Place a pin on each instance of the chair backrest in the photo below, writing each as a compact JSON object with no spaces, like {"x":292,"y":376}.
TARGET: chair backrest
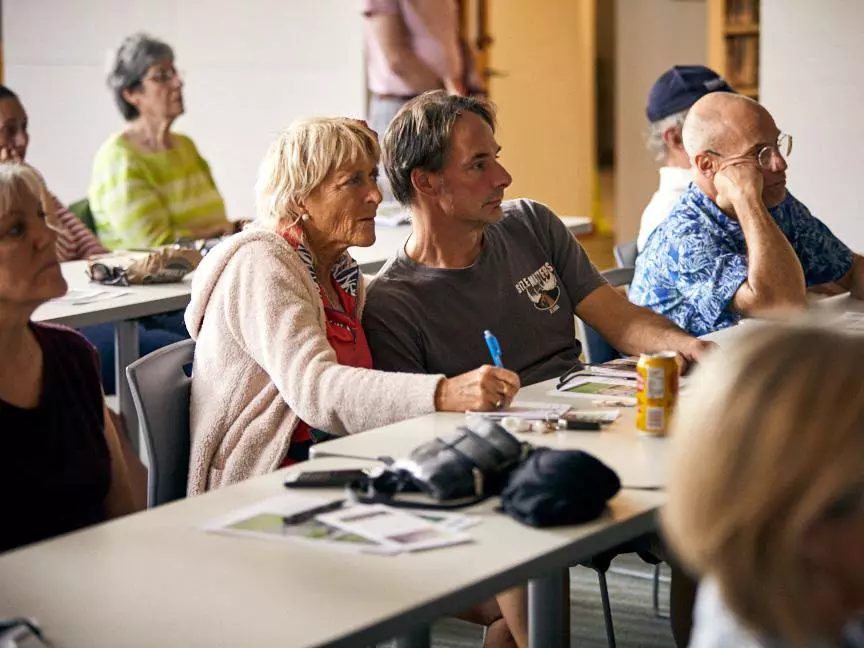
{"x":81,"y":209}
{"x":619,"y":277}
{"x":160,"y":389}
{"x":597,"y":350}
{"x":625,"y":254}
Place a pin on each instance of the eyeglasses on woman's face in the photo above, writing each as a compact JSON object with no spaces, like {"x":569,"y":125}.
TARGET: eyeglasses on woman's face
{"x":163,"y":76}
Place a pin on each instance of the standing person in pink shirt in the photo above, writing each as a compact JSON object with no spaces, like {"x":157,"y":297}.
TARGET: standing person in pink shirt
{"x":412,"y":46}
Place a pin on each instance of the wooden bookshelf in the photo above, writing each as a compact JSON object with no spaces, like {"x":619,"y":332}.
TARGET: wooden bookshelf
{"x":733,"y":43}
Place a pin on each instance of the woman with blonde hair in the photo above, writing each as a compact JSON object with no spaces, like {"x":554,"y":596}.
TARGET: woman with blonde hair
{"x":766,"y":489}
{"x":281,"y":360}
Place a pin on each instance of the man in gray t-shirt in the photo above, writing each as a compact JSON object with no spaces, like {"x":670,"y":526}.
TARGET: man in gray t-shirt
{"x":524,"y":287}
{"x":475,"y":263}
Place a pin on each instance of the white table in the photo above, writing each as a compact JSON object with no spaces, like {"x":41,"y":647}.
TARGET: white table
{"x":389,"y":240}
{"x":640,"y":462}
{"x":828,"y":307}
{"x":122,"y":311}
{"x":155,"y":579}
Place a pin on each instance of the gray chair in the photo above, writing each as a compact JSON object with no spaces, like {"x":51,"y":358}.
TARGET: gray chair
{"x":596,"y":349}
{"x":160,"y":389}
{"x":625,"y":254}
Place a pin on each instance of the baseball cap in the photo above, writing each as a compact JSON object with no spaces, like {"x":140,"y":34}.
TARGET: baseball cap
{"x":680,"y":87}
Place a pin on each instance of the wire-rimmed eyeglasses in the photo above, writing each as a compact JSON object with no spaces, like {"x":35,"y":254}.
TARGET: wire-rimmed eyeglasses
{"x":764,"y":157}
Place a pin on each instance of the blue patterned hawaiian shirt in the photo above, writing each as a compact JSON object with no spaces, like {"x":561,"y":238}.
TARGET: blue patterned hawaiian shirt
{"x":695,"y":261}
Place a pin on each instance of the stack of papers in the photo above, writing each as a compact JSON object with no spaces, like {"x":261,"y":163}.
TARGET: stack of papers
{"x":397,"y":530}
{"x":618,"y":368}
{"x":621,"y":391}
{"x":361,"y":528}
{"x":528,"y":411}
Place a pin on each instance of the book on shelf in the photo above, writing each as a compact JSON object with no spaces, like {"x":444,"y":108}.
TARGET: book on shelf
{"x":742,"y":61}
{"x":742,"y":12}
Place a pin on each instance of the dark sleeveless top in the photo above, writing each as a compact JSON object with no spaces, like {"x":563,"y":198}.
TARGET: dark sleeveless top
{"x":55,"y":468}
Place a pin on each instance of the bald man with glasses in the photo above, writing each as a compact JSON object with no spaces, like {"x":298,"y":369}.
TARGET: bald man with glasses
{"x":738,"y":244}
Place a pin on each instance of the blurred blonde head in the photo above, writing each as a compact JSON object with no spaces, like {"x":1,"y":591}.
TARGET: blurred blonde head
{"x":768,"y":445}
{"x":299,"y":160}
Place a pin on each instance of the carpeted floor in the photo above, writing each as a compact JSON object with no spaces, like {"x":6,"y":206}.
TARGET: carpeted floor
{"x":630,"y":592}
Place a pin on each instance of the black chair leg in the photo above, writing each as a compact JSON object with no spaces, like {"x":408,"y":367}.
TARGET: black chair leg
{"x":655,"y":594}
{"x":607,"y":609}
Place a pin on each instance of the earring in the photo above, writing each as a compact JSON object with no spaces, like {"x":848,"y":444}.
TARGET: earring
{"x":304,"y":217}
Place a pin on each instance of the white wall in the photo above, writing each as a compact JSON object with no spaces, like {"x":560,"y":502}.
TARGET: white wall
{"x":251,"y":66}
{"x":652,"y":36}
{"x":811,"y":81}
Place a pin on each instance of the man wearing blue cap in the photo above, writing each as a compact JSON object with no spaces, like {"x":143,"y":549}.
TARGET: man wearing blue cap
{"x":668,"y":102}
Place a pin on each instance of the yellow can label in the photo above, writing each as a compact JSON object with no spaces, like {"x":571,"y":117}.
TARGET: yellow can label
{"x":656,"y":392}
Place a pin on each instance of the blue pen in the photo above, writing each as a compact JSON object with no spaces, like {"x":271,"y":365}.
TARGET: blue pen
{"x":494,"y":348}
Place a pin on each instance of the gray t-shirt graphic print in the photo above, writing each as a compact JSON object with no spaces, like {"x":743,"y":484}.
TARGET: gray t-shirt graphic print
{"x":524,"y":287}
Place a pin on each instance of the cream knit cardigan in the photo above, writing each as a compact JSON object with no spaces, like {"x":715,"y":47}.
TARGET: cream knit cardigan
{"x":262,"y":360}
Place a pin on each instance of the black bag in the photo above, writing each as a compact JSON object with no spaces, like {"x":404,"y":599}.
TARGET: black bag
{"x":559,"y":487}
{"x":458,"y":470}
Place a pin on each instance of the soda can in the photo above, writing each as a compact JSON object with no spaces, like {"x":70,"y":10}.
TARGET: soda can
{"x":656,"y":392}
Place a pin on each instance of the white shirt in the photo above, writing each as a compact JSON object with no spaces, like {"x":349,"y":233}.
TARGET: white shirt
{"x":673,"y":182}
{"x":714,"y":626}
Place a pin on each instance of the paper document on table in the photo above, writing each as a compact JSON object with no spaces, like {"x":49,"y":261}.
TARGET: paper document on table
{"x":78,"y":297}
{"x":393,"y":528}
{"x":292,"y":517}
{"x":449,"y":521}
{"x":617,"y":368}
{"x":273,"y":518}
{"x":528,"y":410}
{"x":620,"y":390}
{"x":595,"y":415}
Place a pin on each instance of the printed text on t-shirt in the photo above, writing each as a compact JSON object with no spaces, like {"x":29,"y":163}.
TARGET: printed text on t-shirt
{"x":542,"y":288}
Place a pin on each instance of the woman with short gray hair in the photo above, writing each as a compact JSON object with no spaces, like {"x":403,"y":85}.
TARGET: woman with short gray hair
{"x":151,"y":186}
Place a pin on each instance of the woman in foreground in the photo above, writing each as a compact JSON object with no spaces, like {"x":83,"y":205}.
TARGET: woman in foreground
{"x":766,"y":490}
